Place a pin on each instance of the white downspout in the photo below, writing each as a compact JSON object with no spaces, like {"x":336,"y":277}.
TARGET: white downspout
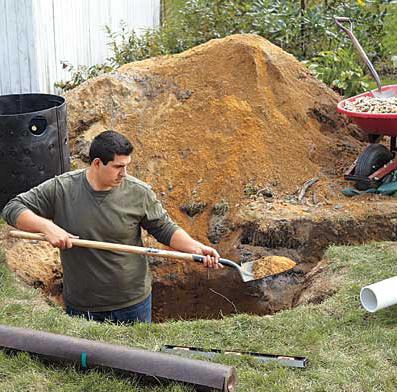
{"x":379,"y":295}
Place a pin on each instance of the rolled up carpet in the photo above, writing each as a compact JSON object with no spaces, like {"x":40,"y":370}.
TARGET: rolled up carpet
{"x":205,"y":376}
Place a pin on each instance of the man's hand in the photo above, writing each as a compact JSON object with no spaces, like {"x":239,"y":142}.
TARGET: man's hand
{"x":211,"y":256}
{"x":55,"y":235}
{"x":182,"y":242}
{"x":58,"y":237}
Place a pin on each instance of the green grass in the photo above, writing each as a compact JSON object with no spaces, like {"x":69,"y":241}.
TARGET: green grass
{"x":349,"y":349}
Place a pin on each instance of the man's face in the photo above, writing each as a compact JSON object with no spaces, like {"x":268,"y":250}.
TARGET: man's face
{"x":113,"y":173}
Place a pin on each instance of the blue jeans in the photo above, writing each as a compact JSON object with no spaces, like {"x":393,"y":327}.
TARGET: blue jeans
{"x":141,"y":312}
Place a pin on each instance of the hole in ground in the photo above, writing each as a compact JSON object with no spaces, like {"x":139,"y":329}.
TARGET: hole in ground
{"x":184,"y":290}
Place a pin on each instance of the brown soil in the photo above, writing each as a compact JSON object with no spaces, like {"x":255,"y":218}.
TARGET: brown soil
{"x":227,"y":133}
{"x":188,"y":290}
{"x":271,"y":265}
{"x":35,"y":262}
{"x":217,"y":123}
{"x":319,"y":285}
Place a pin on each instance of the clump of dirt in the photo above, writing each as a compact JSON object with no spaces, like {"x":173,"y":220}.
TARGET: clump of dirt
{"x":318,"y":286}
{"x":215,"y":123}
{"x":38,"y":264}
{"x":271,"y":265}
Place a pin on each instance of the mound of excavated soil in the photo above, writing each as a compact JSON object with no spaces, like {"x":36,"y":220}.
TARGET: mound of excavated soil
{"x":215,"y":124}
{"x":213,"y":127}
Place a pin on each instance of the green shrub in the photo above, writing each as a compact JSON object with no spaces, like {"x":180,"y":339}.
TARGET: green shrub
{"x":305,"y":29}
{"x":340,"y":70}
{"x":81,"y":73}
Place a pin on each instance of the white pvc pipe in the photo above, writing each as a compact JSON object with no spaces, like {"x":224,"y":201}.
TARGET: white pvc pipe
{"x":379,"y":295}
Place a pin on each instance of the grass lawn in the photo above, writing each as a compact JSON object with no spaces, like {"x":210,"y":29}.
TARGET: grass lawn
{"x":348,"y":349}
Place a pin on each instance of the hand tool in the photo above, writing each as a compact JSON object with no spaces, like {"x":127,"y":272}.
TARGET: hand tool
{"x":245,"y":270}
{"x":339,"y":20}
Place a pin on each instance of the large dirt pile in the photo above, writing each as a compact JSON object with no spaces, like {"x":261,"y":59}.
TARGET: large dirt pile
{"x":216,"y":123}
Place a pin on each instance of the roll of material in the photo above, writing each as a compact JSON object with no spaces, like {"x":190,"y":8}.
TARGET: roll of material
{"x":205,"y":376}
{"x":379,"y":295}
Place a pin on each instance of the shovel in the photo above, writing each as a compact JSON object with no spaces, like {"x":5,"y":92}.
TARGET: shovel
{"x":245,"y":270}
{"x":339,"y":20}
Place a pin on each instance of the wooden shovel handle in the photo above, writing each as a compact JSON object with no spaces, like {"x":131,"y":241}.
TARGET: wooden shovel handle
{"x":124,"y":248}
{"x":113,"y":247}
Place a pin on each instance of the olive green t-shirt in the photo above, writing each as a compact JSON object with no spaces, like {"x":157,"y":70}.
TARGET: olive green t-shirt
{"x":98,"y":280}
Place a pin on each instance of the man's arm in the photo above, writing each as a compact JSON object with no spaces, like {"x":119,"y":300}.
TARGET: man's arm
{"x":158,"y":223}
{"x":55,"y":235}
{"x":33,"y":210}
{"x":182,"y":242}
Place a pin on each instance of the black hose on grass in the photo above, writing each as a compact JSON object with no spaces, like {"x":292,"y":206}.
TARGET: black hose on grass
{"x":204,"y":376}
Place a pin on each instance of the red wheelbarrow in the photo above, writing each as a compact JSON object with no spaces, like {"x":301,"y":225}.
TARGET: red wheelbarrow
{"x":376,"y":161}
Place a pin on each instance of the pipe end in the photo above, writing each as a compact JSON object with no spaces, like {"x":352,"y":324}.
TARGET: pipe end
{"x":368,"y":300}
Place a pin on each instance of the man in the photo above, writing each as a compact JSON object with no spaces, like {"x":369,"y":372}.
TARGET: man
{"x":102,"y":203}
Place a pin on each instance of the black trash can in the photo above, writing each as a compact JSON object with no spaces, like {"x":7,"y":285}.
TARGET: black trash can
{"x":33,"y":142}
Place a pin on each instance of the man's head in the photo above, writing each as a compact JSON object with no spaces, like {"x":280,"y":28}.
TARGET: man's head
{"x":109,"y":156}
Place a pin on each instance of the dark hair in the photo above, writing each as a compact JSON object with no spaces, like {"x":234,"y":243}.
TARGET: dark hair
{"x":108,"y":144}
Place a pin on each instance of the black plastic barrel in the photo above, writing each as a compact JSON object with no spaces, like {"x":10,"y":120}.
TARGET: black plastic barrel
{"x":33,"y":142}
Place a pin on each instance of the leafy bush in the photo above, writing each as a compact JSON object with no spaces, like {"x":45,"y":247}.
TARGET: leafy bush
{"x":340,"y":70}
{"x":305,"y":29}
{"x":390,"y":41}
{"x":81,"y":73}
{"x":301,"y":30}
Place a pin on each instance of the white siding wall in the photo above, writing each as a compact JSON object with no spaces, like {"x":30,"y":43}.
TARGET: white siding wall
{"x":18,"y":70}
{"x":36,"y":35}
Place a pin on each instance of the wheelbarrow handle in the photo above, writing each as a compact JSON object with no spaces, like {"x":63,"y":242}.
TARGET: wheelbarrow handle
{"x":339,"y":20}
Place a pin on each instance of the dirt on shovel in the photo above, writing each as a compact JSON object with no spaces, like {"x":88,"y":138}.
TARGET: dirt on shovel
{"x":271,"y":265}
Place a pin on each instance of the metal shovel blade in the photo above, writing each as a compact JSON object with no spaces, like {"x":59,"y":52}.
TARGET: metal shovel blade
{"x":247,"y":274}
{"x":246,"y":271}
{"x":383,"y":94}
